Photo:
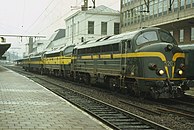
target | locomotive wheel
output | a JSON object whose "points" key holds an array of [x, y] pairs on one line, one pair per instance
{"points": [[113, 84], [87, 79]]}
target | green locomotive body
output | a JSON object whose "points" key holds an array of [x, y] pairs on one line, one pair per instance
{"points": [[147, 61], [143, 62]]}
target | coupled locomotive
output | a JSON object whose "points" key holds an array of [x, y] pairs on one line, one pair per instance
{"points": [[188, 49], [143, 62], [56, 62]]}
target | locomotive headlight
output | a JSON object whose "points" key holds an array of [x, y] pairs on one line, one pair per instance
{"points": [[160, 72], [180, 72]]}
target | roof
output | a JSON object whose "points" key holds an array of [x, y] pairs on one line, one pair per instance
{"points": [[3, 48], [102, 10], [98, 10], [114, 39], [110, 40], [62, 48]]}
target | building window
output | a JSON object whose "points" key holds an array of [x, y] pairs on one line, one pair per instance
{"points": [[151, 9], [78, 27], [155, 8], [160, 7], [135, 15], [104, 28], [188, 3], [132, 14], [116, 28], [193, 3], [182, 4], [68, 31], [181, 35], [90, 27], [129, 18], [175, 5], [165, 7], [192, 34], [125, 18]]}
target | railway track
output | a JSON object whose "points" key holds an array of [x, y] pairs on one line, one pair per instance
{"points": [[112, 116], [163, 108], [143, 109], [187, 101], [178, 107]]}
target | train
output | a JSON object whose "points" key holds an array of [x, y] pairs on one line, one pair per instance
{"points": [[145, 62], [188, 49]]}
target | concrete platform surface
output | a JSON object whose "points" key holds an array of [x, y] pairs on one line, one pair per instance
{"points": [[26, 105], [190, 91]]}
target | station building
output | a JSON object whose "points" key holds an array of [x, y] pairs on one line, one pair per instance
{"points": [[81, 26], [92, 24], [176, 16]]}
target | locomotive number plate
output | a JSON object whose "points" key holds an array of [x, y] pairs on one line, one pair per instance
{"points": [[169, 63]]}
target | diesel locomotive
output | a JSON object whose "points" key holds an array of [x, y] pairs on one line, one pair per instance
{"points": [[188, 49], [147, 62]]}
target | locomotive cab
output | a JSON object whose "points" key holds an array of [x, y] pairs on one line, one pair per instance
{"points": [[161, 64]]}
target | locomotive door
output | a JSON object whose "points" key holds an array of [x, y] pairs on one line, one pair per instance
{"points": [[125, 48]]}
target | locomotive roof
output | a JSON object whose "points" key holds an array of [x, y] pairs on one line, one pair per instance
{"points": [[59, 50], [35, 56], [113, 39]]}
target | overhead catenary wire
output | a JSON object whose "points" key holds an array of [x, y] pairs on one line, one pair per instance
{"points": [[62, 17], [39, 16], [23, 13]]}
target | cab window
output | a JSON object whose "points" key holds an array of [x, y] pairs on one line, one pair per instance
{"points": [[147, 37], [166, 37]]}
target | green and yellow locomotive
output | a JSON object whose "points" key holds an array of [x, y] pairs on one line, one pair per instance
{"points": [[145, 62], [56, 62]]}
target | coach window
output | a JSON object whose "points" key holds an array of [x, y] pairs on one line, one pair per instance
{"points": [[146, 37]]}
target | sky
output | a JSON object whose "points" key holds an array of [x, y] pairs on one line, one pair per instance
{"points": [[38, 17]]}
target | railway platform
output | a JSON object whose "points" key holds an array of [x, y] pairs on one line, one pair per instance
{"points": [[26, 105], [190, 92]]}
